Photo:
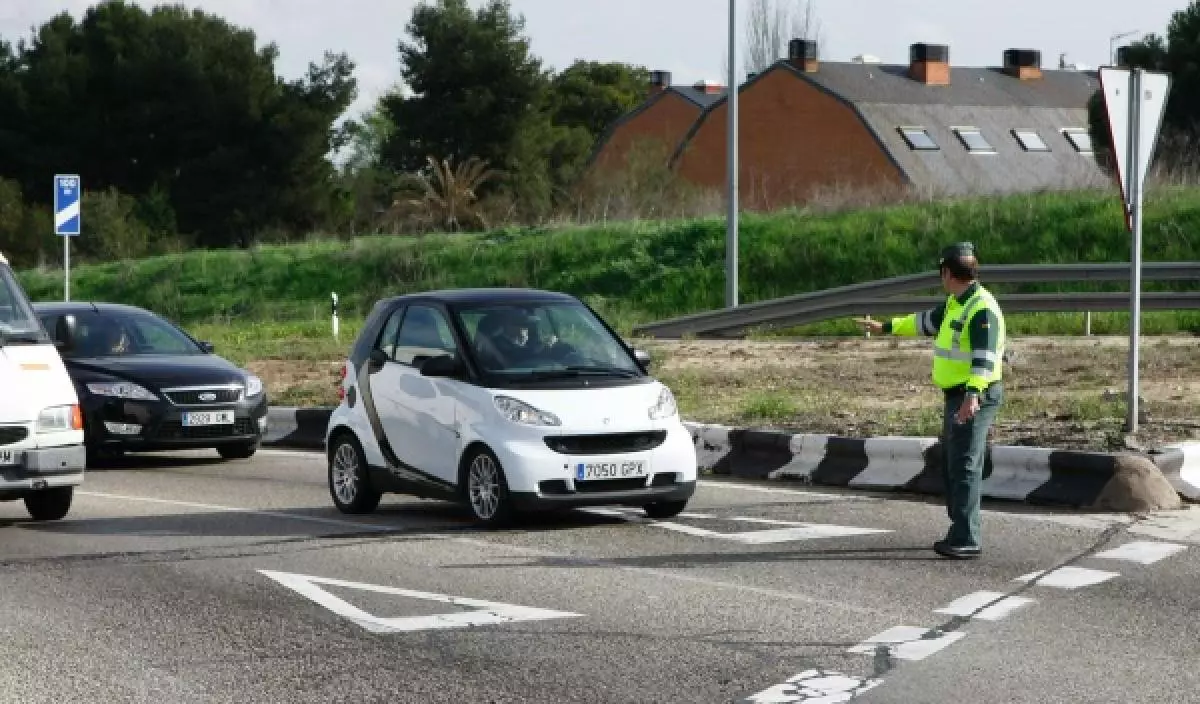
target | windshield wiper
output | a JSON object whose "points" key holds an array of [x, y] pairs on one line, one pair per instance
{"points": [[575, 370]]}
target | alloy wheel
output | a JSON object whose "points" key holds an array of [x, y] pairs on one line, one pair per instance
{"points": [[345, 473], [483, 485]]}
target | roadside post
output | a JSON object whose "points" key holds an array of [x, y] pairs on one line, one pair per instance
{"points": [[335, 316], [67, 215], [1135, 100]]}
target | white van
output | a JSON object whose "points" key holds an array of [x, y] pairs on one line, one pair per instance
{"points": [[42, 454]]}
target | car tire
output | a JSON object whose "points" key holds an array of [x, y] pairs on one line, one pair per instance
{"points": [[243, 451], [50, 504], [665, 509], [485, 489], [349, 483]]}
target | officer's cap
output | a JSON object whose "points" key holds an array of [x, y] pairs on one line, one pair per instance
{"points": [[955, 251]]}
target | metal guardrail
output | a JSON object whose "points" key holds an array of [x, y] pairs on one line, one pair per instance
{"points": [[871, 297]]}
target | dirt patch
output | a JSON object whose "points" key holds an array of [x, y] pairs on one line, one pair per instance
{"points": [[1060, 392]]}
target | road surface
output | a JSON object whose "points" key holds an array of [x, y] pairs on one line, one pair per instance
{"points": [[178, 578]]}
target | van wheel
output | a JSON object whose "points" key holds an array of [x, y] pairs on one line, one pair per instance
{"points": [[349, 485], [487, 490], [665, 509], [50, 504]]}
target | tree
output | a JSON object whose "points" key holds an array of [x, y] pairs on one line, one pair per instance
{"points": [[770, 25], [474, 85]]}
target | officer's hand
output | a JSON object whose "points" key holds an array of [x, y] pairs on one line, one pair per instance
{"points": [[868, 324], [968, 409]]}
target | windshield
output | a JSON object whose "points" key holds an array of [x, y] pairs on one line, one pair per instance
{"points": [[112, 334], [543, 339], [17, 321]]}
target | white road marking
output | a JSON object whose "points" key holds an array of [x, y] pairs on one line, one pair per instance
{"points": [[1142, 552], [232, 509], [493, 546], [815, 687], [813, 495], [794, 530], [908, 642], [486, 613], [973, 605], [1069, 577]]}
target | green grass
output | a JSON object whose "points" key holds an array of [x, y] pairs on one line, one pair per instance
{"points": [[638, 272]]}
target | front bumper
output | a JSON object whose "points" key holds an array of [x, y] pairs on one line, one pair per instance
{"points": [[128, 425], [541, 472], [44, 468]]}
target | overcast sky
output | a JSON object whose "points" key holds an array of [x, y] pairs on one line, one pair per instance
{"points": [[686, 37]]}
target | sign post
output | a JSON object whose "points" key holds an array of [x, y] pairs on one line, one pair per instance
{"points": [[67, 216], [335, 315], [1135, 100]]}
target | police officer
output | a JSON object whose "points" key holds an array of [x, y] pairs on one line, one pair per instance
{"points": [[968, 356]]}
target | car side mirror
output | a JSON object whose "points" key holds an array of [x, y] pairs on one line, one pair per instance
{"points": [[443, 365], [643, 358], [376, 360], [64, 333], [208, 347]]}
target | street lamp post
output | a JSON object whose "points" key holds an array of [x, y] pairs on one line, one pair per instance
{"points": [[731, 167]]}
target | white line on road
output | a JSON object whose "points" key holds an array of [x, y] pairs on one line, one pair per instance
{"points": [[908, 642], [1068, 577], [997, 608], [1143, 552]]}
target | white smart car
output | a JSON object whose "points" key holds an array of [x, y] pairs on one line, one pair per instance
{"points": [[509, 401]]}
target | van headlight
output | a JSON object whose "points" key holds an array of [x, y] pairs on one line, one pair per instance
{"points": [[58, 419], [523, 413], [254, 386], [665, 407], [121, 389]]}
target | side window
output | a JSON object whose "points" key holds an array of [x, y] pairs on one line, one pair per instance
{"points": [[50, 323], [424, 333], [387, 338]]}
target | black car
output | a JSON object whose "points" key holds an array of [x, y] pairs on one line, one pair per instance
{"points": [[146, 385]]}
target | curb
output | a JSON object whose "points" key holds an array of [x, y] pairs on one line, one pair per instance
{"points": [[1180, 464], [1040, 476]]}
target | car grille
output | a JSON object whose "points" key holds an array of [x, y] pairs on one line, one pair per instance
{"points": [[606, 443], [191, 397], [11, 434], [609, 485], [174, 430]]}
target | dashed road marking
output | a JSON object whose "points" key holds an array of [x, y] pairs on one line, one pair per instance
{"points": [[908, 642], [1069, 577], [1143, 552], [793, 530], [988, 606], [814, 687]]}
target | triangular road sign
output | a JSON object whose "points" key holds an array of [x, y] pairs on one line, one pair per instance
{"points": [[486, 613], [1116, 84]]}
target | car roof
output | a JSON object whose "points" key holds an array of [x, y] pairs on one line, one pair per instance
{"points": [[475, 296], [86, 306]]}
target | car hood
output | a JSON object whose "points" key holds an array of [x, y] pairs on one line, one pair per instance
{"points": [[159, 371], [32, 378], [611, 409]]}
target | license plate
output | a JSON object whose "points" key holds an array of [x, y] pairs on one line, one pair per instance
{"points": [[625, 469], [9, 458], [199, 418]]}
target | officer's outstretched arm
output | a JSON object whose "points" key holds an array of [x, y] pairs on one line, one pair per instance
{"points": [[925, 323]]}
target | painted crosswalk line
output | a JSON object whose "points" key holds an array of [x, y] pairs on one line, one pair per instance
{"points": [[908, 642], [814, 687], [987, 606], [1143, 552], [1069, 577]]}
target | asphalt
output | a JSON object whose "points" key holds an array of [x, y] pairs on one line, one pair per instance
{"points": [[180, 578]]}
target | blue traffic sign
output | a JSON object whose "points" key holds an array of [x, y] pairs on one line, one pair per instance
{"points": [[67, 209]]}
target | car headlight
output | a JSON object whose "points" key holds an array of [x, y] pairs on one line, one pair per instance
{"points": [[665, 407], [523, 413], [254, 386], [57, 419], [121, 389]]}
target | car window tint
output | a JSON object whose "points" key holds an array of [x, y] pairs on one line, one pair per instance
{"points": [[424, 333], [387, 338], [119, 334]]}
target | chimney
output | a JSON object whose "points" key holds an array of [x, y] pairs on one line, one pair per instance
{"points": [[929, 64], [706, 87], [1023, 64], [659, 82], [802, 54]]}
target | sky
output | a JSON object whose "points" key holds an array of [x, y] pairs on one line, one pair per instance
{"points": [[689, 38]]}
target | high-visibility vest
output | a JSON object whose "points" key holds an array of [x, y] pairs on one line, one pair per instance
{"points": [[952, 347]]}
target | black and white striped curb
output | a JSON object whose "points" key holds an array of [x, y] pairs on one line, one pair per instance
{"points": [[902, 464], [1180, 464]]}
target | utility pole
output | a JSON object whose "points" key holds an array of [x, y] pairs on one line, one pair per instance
{"points": [[731, 167]]}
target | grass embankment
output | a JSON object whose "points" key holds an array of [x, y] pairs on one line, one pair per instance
{"points": [[638, 272]]}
